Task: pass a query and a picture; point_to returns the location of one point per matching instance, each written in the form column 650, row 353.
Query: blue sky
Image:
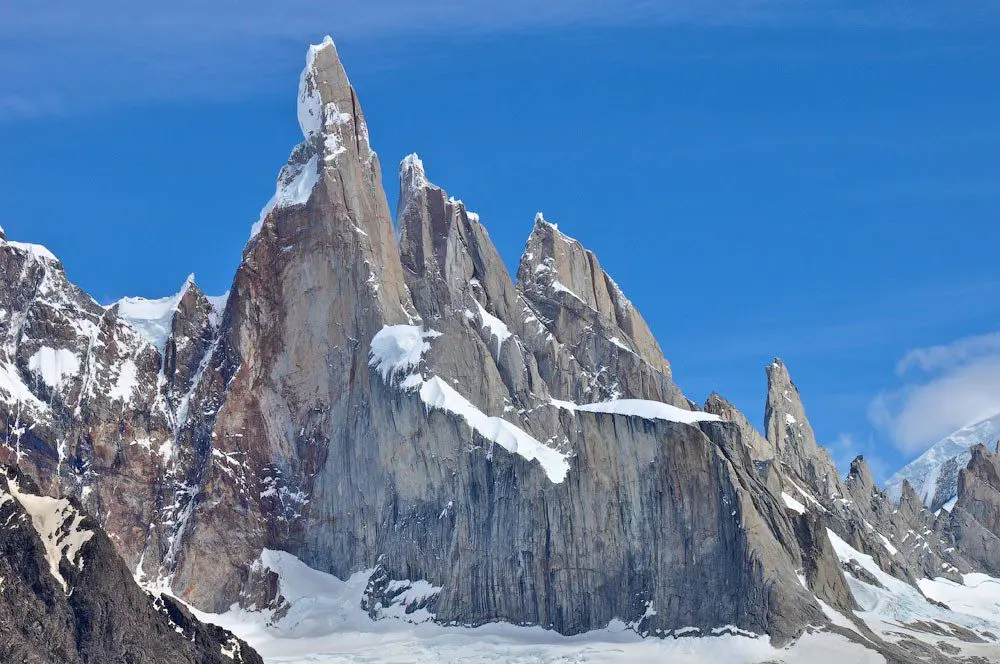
column 817, row 181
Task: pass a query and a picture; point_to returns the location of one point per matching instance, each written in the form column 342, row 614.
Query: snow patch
column 887, row 544
column 16, row 391
column 153, row 318
column 650, row 410
column 977, row 595
column 618, row 342
column 890, row 609
column 410, row 593
column 310, row 105
column 496, row 326
column 437, row 394
column 559, row 287
column 325, row 623
column 54, row 366
column 36, row 251
column 793, row 504
column 295, row 186
column 126, row 383
column 58, row 524
column 397, row 349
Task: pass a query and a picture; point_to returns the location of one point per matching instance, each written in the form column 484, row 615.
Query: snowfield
column 325, row 625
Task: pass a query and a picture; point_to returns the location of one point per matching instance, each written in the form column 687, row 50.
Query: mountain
column 387, row 408
column 934, row 474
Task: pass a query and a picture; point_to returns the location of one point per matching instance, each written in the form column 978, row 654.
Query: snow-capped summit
column 335, row 133
column 153, row 317
column 934, row 474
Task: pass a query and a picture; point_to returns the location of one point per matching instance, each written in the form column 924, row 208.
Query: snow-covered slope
column 934, row 474
column 320, row 619
column 154, row 317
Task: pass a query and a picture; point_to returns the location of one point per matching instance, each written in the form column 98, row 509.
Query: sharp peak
column 326, row 42
column 776, row 368
column 412, row 174
column 715, row 396
column 543, row 225
column 411, row 161
column 323, row 66
column 859, row 462
column 190, row 284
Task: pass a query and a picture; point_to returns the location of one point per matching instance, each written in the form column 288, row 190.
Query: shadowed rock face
column 371, row 402
column 86, row 608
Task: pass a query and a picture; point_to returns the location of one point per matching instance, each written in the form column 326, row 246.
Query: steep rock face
column 79, row 391
column 585, row 310
column 354, row 425
column 905, row 540
column 66, row 596
column 758, row 447
column 821, row 568
column 193, row 329
column 462, row 290
column 287, row 393
column 791, row 436
column 979, row 488
column 461, row 287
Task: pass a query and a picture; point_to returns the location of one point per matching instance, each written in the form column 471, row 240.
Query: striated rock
column 860, row 484
column 193, row 329
column 979, row 488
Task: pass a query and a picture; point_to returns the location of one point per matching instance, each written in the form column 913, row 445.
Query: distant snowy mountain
column 934, row 474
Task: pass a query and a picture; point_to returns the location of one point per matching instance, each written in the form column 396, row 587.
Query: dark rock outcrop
column 66, row 596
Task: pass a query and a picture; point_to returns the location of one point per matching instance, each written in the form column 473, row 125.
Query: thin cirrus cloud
column 946, row 387
column 61, row 57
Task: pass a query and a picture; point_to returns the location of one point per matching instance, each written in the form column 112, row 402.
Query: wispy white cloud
column 945, row 387
column 106, row 52
column 947, row 356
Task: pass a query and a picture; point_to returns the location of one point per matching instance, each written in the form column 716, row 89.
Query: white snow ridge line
column 396, row 354
column 438, row 394
column 650, row 410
